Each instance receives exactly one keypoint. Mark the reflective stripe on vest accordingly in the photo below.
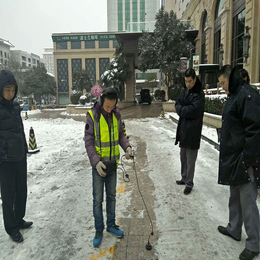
(106, 142)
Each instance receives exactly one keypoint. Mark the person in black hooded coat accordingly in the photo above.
(190, 108)
(13, 161)
(239, 159)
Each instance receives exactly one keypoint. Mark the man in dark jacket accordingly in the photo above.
(13, 161)
(103, 134)
(239, 158)
(190, 108)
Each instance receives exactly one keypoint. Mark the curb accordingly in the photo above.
(216, 145)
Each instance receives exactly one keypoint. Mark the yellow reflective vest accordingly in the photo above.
(106, 140)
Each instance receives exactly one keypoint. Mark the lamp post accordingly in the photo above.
(246, 39)
(220, 55)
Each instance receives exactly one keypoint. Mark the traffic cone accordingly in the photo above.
(32, 143)
(26, 115)
(162, 114)
(125, 130)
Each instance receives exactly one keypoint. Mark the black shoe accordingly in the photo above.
(224, 231)
(17, 237)
(248, 255)
(25, 224)
(187, 190)
(180, 182)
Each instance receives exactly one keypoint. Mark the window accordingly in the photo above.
(1, 53)
(29, 59)
(103, 63)
(179, 5)
(203, 41)
(217, 30)
(76, 45)
(89, 44)
(115, 43)
(61, 45)
(24, 64)
(5, 55)
(23, 58)
(103, 44)
(237, 39)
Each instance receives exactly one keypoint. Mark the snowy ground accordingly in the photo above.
(60, 197)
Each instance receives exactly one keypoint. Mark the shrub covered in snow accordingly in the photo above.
(83, 99)
(74, 97)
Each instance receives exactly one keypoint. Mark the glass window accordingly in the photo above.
(219, 7)
(61, 45)
(1, 53)
(237, 39)
(115, 43)
(23, 58)
(103, 63)
(89, 44)
(103, 44)
(76, 45)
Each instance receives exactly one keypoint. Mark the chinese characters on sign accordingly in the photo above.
(87, 37)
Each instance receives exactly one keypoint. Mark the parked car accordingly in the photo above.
(145, 96)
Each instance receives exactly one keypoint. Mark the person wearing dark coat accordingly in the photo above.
(13, 161)
(190, 108)
(240, 158)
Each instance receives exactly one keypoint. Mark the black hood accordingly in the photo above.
(235, 80)
(7, 78)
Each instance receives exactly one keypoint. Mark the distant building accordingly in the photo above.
(25, 59)
(131, 15)
(178, 6)
(5, 52)
(48, 60)
(80, 51)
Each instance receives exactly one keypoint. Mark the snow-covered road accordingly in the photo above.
(60, 197)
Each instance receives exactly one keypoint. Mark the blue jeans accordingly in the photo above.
(98, 193)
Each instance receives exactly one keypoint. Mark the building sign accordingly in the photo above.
(85, 37)
(196, 60)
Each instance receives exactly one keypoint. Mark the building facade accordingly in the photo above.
(25, 59)
(5, 53)
(131, 15)
(80, 51)
(48, 60)
(178, 6)
(228, 32)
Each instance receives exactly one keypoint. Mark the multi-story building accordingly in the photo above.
(178, 6)
(48, 60)
(80, 51)
(131, 15)
(25, 59)
(5, 52)
(228, 32)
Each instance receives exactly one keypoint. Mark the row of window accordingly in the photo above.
(88, 45)
(6, 54)
(24, 59)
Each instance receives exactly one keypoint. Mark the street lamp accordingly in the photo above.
(220, 55)
(246, 39)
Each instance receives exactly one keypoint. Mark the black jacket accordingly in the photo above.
(240, 134)
(190, 108)
(13, 144)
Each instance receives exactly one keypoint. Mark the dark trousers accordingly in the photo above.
(188, 159)
(13, 180)
(243, 209)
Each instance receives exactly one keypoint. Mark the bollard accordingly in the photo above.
(162, 114)
(26, 115)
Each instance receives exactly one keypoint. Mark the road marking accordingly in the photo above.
(121, 189)
(103, 253)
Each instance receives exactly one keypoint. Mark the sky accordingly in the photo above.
(29, 24)
(60, 195)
